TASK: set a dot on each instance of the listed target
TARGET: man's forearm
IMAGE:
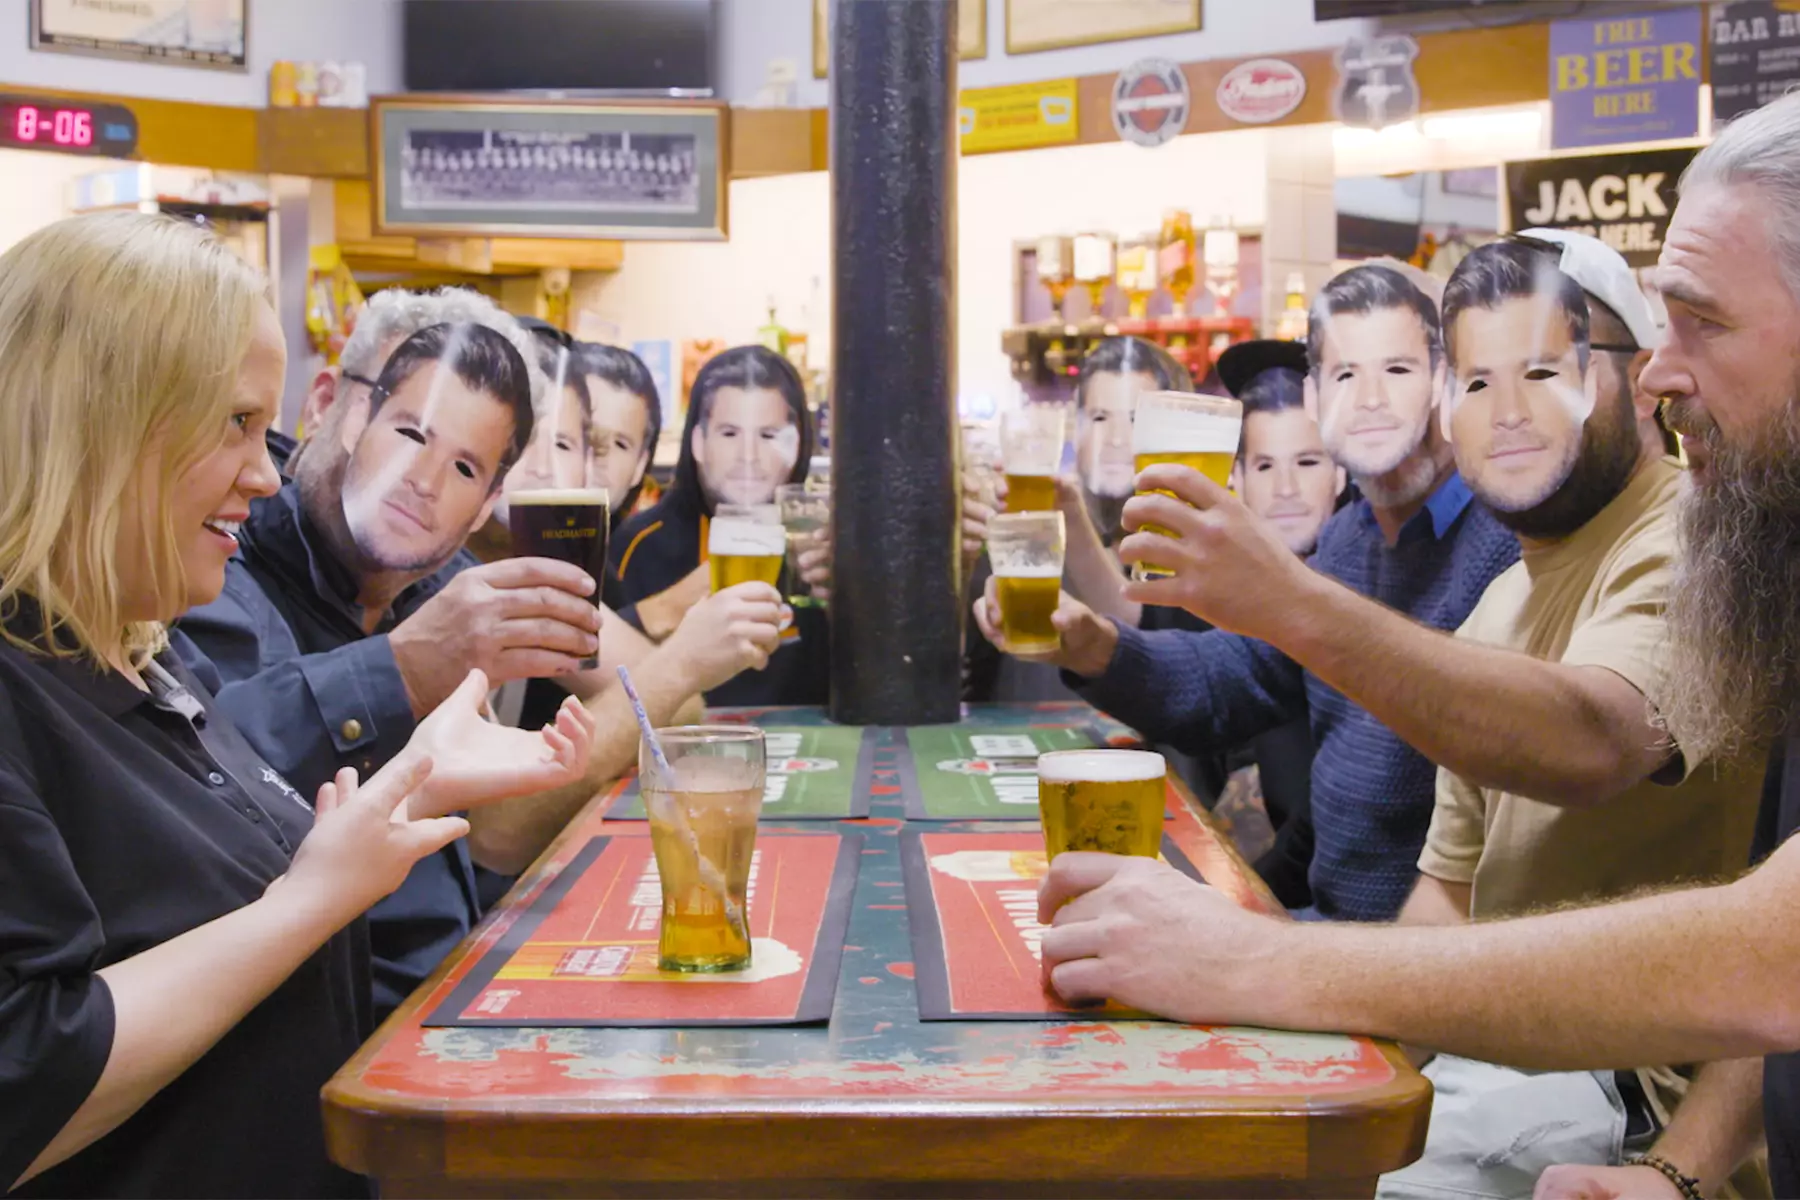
(1537, 728)
(1091, 573)
(1719, 1122)
(1683, 976)
(509, 836)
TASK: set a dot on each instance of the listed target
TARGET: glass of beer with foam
(1191, 431)
(1026, 551)
(703, 812)
(1031, 449)
(746, 542)
(567, 524)
(1105, 800)
(806, 518)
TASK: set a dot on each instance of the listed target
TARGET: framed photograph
(186, 33)
(971, 33)
(487, 167)
(1033, 25)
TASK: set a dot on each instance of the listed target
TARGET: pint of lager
(1031, 445)
(1026, 550)
(1105, 800)
(746, 543)
(567, 524)
(1191, 431)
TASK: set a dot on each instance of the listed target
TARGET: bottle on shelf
(1136, 275)
(1291, 324)
(1096, 256)
(1175, 257)
(1056, 270)
(772, 334)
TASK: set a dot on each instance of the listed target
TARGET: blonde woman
(181, 961)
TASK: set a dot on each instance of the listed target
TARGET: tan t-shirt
(1595, 599)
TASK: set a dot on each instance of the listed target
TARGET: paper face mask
(1377, 368)
(1522, 384)
(746, 445)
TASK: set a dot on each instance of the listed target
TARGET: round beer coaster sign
(1261, 90)
(1151, 102)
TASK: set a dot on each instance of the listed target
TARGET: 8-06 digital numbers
(30, 123)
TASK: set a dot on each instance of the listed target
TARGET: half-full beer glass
(1191, 431)
(1031, 447)
(1105, 800)
(567, 524)
(1026, 551)
(703, 814)
(806, 516)
(746, 542)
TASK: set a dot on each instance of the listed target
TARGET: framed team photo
(476, 167)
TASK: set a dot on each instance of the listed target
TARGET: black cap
(1242, 362)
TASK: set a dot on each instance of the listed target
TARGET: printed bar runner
(584, 953)
(971, 899)
(976, 773)
(815, 773)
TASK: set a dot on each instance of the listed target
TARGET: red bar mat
(584, 953)
(971, 900)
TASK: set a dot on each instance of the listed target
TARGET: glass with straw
(703, 791)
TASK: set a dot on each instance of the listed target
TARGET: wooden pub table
(876, 1102)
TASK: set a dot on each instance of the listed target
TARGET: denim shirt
(313, 693)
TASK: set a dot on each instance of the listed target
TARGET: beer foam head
(1178, 423)
(745, 536)
(1100, 766)
(597, 496)
(1024, 568)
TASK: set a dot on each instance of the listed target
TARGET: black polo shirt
(1779, 817)
(126, 820)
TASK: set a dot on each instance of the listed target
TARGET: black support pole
(896, 615)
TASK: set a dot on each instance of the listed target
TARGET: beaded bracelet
(1687, 1185)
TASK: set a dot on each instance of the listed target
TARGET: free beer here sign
(1625, 78)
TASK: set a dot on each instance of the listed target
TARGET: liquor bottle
(1175, 257)
(1055, 269)
(1095, 257)
(1291, 324)
(1136, 275)
(772, 334)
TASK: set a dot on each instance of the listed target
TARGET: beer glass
(703, 814)
(1105, 800)
(806, 516)
(746, 542)
(1190, 430)
(1026, 551)
(567, 524)
(1031, 446)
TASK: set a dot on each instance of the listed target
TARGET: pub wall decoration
(489, 167)
(1033, 25)
(183, 33)
(971, 33)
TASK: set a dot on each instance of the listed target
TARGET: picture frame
(971, 34)
(1035, 25)
(208, 34)
(485, 166)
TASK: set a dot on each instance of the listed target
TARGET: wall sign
(183, 33)
(53, 123)
(1376, 87)
(1622, 199)
(1625, 79)
(1019, 117)
(1755, 56)
(1151, 102)
(1261, 90)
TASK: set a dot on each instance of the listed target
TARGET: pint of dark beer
(567, 524)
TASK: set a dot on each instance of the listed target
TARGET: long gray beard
(1734, 608)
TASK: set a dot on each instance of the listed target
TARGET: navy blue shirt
(1779, 817)
(314, 693)
(1372, 794)
(128, 818)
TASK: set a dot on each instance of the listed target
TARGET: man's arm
(308, 715)
(1716, 1127)
(1436, 902)
(728, 633)
(1574, 735)
(1684, 976)
(1091, 572)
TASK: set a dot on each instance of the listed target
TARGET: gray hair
(1761, 148)
(394, 314)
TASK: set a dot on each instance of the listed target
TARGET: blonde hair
(121, 336)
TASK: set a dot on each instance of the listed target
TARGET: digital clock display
(43, 123)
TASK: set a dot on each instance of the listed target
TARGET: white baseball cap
(1604, 274)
